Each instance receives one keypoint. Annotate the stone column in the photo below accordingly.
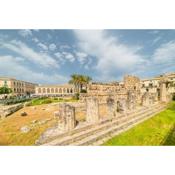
(131, 100)
(92, 110)
(111, 107)
(145, 99)
(163, 92)
(122, 105)
(66, 120)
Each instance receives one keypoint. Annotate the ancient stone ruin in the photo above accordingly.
(112, 108)
(66, 119)
(125, 106)
(92, 110)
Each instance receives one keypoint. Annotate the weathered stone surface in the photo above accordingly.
(122, 105)
(25, 129)
(92, 110)
(131, 82)
(111, 107)
(163, 92)
(56, 114)
(131, 100)
(145, 99)
(7, 110)
(34, 121)
(66, 121)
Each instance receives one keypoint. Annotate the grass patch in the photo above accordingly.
(159, 130)
(40, 101)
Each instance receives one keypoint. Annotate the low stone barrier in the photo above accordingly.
(7, 110)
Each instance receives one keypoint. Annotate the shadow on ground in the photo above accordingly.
(170, 138)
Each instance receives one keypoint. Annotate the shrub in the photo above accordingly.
(47, 101)
(173, 97)
(83, 91)
(76, 96)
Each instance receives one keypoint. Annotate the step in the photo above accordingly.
(89, 126)
(85, 133)
(71, 138)
(91, 140)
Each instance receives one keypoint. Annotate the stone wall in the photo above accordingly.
(7, 110)
(131, 82)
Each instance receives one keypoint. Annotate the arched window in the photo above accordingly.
(67, 90)
(48, 90)
(64, 90)
(56, 90)
(39, 90)
(44, 90)
(60, 90)
(71, 90)
(52, 90)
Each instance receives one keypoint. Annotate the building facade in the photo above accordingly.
(153, 84)
(18, 87)
(55, 90)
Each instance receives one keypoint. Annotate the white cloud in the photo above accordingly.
(154, 32)
(11, 66)
(60, 57)
(25, 32)
(65, 56)
(52, 47)
(156, 40)
(62, 47)
(165, 53)
(111, 55)
(68, 56)
(43, 46)
(35, 40)
(81, 57)
(22, 49)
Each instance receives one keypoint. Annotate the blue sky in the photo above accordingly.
(51, 56)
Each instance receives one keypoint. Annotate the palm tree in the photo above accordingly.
(79, 81)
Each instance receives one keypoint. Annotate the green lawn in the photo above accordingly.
(40, 101)
(159, 130)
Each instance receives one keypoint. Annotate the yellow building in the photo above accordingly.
(55, 90)
(18, 87)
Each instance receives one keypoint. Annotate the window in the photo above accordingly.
(39, 90)
(48, 90)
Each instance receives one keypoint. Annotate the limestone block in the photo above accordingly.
(122, 105)
(111, 107)
(163, 92)
(92, 110)
(66, 120)
(131, 100)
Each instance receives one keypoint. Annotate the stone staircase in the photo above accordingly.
(98, 133)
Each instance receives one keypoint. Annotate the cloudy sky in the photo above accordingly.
(51, 56)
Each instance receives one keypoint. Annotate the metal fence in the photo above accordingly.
(15, 100)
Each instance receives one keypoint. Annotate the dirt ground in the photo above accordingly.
(10, 133)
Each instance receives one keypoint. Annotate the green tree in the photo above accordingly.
(79, 81)
(5, 90)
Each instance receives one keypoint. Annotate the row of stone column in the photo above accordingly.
(66, 113)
